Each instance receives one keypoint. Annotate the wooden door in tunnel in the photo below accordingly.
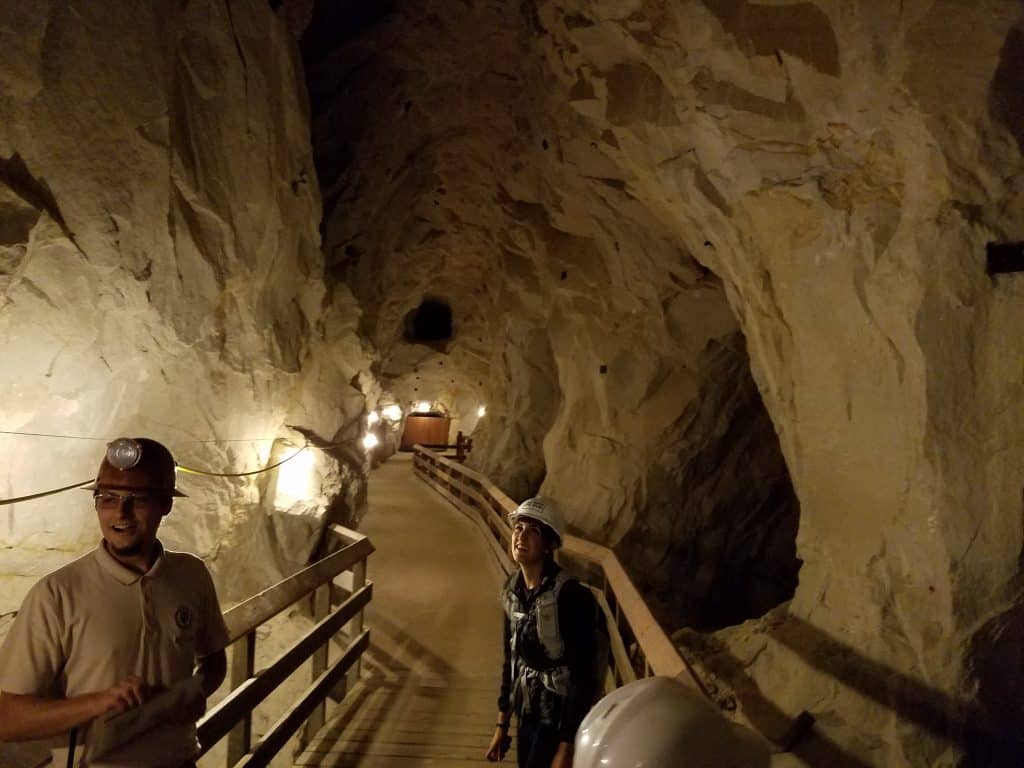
(425, 429)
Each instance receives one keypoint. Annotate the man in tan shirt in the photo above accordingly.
(107, 632)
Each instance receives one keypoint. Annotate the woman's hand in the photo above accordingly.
(500, 743)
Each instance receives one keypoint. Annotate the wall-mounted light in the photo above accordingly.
(370, 441)
(422, 407)
(295, 480)
(391, 412)
(481, 411)
(372, 418)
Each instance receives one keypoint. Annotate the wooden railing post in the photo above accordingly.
(232, 716)
(358, 582)
(321, 609)
(243, 666)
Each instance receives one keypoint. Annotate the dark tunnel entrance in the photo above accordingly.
(430, 324)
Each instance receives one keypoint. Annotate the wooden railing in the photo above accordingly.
(232, 717)
(640, 647)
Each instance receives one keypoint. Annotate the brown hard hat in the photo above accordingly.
(136, 464)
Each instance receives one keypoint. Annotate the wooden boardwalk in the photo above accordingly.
(428, 692)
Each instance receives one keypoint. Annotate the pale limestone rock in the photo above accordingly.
(627, 204)
(161, 275)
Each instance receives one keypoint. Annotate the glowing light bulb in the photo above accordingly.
(481, 411)
(392, 412)
(372, 417)
(370, 441)
(295, 480)
(422, 407)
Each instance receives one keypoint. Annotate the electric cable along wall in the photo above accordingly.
(179, 467)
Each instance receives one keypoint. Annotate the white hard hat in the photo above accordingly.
(660, 723)
(543, 510)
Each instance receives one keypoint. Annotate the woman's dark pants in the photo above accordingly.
(536, 743)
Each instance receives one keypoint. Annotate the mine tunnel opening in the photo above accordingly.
(429, 324)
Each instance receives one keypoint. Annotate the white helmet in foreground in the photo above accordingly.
(660, 723)
(543, 510)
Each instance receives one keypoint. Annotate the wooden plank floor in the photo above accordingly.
(429, 687)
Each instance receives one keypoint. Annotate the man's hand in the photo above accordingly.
(500, 743)
(28, 716)
(563, 757)
(122, 696)
(213, 668)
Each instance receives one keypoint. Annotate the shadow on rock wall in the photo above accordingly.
(716, 544)
(984, 737)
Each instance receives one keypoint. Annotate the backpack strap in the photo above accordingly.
(546, 606)
(509, 601)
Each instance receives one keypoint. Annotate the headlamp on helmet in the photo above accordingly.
(137, 464)
(124, 453)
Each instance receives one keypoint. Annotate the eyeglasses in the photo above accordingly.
(108, 501)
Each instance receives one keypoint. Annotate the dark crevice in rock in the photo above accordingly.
(16, 175)
(16, 222)
(716, 544)
(333, 23)
(1006, 96)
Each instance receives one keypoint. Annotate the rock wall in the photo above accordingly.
(606, 193)
(161, 274)
(715, 542)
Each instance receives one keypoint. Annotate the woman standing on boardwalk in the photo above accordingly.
(547, 678)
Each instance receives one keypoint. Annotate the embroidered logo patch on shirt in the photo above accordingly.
(183, 617)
